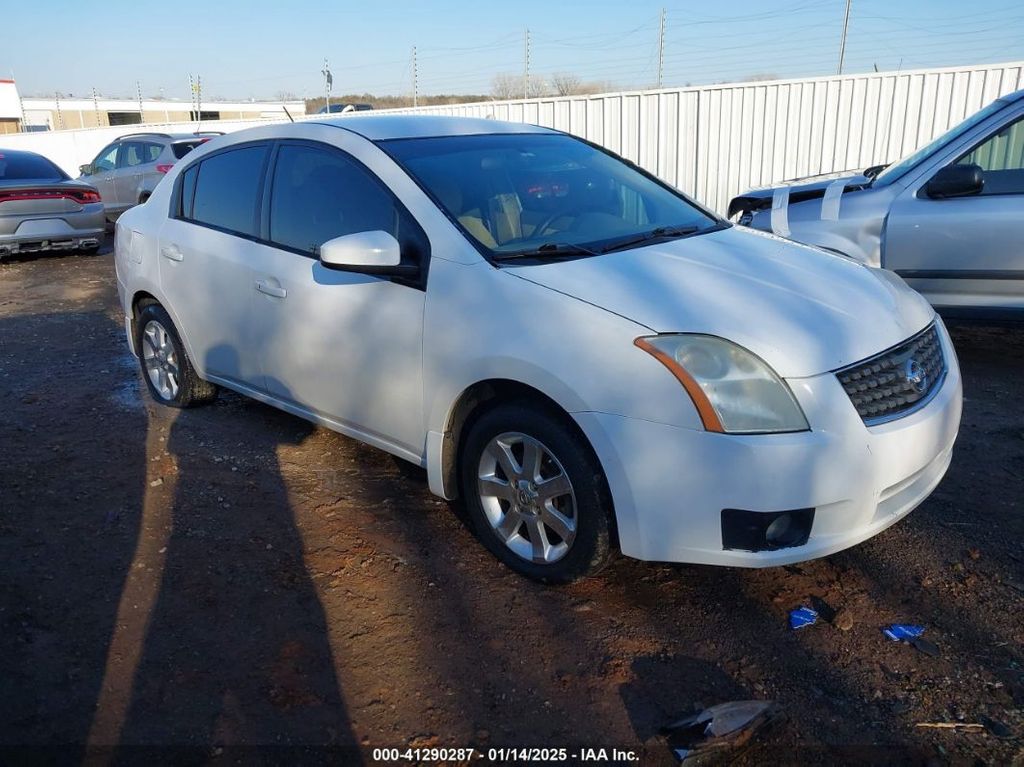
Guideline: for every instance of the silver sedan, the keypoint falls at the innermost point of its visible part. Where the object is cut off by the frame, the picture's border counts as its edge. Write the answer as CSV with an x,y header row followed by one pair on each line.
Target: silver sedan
x,y
43,209
949,218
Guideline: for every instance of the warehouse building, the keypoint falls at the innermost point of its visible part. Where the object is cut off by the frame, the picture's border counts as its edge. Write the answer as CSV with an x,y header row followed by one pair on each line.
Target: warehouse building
x,y
10,108
68,113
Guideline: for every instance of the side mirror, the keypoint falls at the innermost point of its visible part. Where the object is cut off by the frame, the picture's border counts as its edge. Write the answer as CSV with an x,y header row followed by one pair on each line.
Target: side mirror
x,y
375,252
86,170
956,181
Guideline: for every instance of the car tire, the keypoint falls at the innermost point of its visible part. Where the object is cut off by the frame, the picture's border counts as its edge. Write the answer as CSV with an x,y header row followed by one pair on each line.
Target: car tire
x,y
168,372
552,535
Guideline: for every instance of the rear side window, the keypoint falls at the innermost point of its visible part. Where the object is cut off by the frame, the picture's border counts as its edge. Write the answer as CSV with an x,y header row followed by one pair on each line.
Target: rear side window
x,y
227,188
320,194
182,148
22,166
138,153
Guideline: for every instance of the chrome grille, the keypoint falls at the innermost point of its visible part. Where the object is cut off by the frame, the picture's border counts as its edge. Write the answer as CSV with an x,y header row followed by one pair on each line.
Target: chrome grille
x,y
898,381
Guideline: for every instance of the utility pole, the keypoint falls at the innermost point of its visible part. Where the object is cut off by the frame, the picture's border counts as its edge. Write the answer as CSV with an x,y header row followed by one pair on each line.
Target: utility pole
x,y
525,72
96,106
192,91
138,90
415,79
842,43
60,117
328,83
661,49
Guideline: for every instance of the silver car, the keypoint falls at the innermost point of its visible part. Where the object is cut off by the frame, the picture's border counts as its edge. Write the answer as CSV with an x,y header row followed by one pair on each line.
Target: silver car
x,y
41,208
949,218
127,170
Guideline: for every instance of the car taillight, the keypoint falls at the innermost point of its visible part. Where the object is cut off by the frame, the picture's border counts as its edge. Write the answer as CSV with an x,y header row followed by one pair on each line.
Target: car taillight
x,y
84,196
164,168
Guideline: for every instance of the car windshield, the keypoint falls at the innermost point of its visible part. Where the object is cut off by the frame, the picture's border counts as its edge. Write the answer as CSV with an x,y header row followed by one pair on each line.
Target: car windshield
x,y
545,194
897,169
23,166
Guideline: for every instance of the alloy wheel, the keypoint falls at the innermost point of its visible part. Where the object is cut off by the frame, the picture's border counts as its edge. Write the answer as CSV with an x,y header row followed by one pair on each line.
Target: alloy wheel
x,y
160,360
527,497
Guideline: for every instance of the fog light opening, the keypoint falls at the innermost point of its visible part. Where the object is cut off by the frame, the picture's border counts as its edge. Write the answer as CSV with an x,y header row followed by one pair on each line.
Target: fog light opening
x,y
744,530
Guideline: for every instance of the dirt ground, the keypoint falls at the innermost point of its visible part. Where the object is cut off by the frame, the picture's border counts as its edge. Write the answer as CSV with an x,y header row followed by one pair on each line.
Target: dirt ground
x,y
231,576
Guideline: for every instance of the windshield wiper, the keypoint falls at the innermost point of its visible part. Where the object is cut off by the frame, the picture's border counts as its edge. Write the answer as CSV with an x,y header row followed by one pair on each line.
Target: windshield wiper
x,y
548,250
659,233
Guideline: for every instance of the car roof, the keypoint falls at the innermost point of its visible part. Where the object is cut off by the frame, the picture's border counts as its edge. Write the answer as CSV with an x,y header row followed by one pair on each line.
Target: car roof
x,y
170,136
21,153
1015,96
380,127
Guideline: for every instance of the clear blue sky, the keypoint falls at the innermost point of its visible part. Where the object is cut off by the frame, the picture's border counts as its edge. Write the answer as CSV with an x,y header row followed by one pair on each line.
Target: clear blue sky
x,y
259,48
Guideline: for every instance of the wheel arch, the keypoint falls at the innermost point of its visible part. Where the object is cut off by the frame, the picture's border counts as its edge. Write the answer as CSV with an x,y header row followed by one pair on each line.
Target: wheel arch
x,y
142,298
477,399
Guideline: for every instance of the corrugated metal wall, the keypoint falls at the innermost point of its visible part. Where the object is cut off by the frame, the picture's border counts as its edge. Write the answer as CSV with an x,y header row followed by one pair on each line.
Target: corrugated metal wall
x,y
716,141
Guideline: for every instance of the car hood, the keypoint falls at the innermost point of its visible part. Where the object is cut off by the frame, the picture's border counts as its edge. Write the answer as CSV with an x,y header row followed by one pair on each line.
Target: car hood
x,y
800,189
802,310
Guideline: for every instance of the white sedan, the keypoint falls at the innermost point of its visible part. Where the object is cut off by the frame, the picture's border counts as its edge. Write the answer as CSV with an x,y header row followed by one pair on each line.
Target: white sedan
x,y
587,358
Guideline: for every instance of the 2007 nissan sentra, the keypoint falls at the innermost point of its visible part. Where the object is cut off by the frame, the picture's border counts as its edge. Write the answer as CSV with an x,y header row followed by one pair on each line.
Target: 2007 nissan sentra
x,y
585,357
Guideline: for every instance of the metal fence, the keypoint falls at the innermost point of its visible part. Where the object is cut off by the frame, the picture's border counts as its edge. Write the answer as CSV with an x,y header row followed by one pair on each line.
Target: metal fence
x,y
714,141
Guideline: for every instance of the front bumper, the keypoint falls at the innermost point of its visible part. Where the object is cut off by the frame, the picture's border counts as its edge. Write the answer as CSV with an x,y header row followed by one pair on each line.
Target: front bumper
x,y
670,484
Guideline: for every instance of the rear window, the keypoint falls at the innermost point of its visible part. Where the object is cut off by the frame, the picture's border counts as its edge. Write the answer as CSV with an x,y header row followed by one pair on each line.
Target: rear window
x,y
22,166
182,148
228,188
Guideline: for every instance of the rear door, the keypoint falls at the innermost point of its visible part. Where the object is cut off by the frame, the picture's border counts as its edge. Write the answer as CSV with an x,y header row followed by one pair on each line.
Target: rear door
x,y
205,254
966,254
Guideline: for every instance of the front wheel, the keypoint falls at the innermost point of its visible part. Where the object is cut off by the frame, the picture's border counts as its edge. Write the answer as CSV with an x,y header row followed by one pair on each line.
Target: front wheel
x,y
169,374
535,495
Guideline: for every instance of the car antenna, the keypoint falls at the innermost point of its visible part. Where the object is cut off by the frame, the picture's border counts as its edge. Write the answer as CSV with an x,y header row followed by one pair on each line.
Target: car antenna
x,y
290,118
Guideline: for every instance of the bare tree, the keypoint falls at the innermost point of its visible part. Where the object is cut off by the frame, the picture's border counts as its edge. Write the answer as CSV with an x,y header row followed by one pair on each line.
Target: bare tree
x,y
506,86
285,96
565,84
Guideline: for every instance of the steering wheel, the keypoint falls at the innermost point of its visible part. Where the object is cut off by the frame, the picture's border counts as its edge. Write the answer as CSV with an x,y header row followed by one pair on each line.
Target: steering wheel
x,y
564,211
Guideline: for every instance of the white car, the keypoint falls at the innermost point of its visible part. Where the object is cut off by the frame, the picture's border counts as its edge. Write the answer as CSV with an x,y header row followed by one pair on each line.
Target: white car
x,y
584,356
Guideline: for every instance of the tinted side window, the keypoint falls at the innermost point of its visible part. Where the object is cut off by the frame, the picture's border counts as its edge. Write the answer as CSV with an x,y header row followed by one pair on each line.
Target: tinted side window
x,y
227,189
1001,158
318,195
107,159
133,153
188,191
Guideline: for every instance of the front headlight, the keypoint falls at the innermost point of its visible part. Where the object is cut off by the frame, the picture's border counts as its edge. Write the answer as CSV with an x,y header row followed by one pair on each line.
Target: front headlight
x,y
734,390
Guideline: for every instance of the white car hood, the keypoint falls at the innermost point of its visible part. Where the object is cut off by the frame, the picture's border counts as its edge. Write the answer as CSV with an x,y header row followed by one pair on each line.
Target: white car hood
x,y
803,311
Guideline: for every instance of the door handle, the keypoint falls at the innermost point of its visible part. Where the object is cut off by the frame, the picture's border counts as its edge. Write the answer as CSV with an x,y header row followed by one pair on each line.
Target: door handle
x,y
270,290
172,252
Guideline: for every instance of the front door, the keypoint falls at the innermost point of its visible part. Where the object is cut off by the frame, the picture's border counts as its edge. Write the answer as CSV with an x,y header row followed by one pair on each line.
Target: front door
x,y
103,176
967,253
345,346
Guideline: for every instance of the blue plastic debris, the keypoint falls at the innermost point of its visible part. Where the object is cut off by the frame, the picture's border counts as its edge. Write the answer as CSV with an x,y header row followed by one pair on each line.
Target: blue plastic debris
x,y
802,616
903,632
